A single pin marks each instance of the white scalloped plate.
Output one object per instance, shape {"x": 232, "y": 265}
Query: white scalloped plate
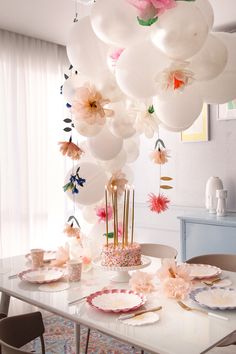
{"x": 215, "y": 298}
{"x": 116, "y": 300}
{"x": 203, "y": 271}
{"x": 144, "y": 319}
{"x": 42, "y": 275}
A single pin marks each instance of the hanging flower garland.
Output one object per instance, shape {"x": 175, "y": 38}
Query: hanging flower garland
{"x": 119, "y": 180}
{"x": 160, "y": 203}
{"x": 70, "y": 230}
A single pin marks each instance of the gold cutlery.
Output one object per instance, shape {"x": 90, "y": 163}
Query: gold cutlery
{"x": 212, "y": 282}
{"x": 131, "y": 315}
{"x": 205, "y": 312}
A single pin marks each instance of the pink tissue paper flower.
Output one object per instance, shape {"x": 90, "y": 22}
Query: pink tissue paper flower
{"x": 158, "y": 203}
{"x": 142, "y": 282}
{"x": 101, "y": 213}
{"x": 152, "y": 8}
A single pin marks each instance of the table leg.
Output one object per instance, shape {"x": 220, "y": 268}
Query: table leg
{"x": 77, "y": 338}
{"x": 5, "y": 302}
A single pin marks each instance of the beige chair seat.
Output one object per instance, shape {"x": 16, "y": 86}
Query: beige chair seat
{"x": 158, "y": 250}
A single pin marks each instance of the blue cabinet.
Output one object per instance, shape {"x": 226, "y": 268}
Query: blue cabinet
{"x": 204, "y": 233}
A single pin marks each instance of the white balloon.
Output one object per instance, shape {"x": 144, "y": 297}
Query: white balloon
{"x": 93, "y": 189}
{"x": 115, "y": 164}
{"x": 89, "y": 214}
{"x": 115, "y": 22}
{"x": 210, "y": 61}
{"x": 132, "y": 150}
{"x": 105, "y": 146}
{"x": 220, "y": 90}
{"x": 181, "y": 31}
{"x": 229, "y": 40}
{"x": 108, "y": 87}
{"x": 121, "y": 123}
{"x": 129, "y": 174}
{"x": 85, "y": 129}
{"x": 85, "y": 51}
{"x": 181, "y": 110}
{"x": 207, "y": 11}
{"x": 137, "y": 68}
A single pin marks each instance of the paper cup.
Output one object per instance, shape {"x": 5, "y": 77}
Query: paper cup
{"x": 74, "y": 269}
{"x": 37, "y": 257}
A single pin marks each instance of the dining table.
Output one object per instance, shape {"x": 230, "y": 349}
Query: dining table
{"x": 176, "y": 332}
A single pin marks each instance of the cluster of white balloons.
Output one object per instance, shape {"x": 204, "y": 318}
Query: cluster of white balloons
{"x": 181, "y": 36}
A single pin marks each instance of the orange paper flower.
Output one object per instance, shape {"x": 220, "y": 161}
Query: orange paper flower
{"x": 70, "y": 149}
{"x": 175, "y": 77}
{"x": 89, "y": 105}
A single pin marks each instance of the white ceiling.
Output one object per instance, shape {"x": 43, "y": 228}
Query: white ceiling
{"x": 51, "y": 19}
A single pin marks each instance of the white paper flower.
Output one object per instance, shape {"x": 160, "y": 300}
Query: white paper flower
{"x": 146, "y": 120}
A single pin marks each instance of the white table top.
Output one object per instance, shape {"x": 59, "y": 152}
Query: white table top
{"x": 177, "y": 332}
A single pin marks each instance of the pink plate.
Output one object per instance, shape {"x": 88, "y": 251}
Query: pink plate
{"x": 42, "y": 275}
{"x": 116, "y": 300}
{"x": 203, "y": 271}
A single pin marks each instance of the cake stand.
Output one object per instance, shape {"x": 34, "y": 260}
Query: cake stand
{"x": 122, "y": 273}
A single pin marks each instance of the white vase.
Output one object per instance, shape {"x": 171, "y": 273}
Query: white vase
{"x": 221, "y": 195}
{"x": 213, "y": 184}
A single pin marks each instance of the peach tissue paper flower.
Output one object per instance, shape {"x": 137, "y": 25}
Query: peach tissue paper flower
{"x": 159, "y": 156}
{"x": 119, "y": 180}
{"x": 141, "y": 282}
{"x": 70, "y": 149}
{"x": 158, "y": 203}
{"x": 101, "y": 213}
{"x": 71, "y": 231}
{"x": 175, "y": 280}
{"x": 89, "y": 105}
{"x": 62, "y": 256}
{"x": 176, "y": 288}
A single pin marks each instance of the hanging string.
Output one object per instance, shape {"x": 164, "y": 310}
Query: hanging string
{"x": 76, "y": 11}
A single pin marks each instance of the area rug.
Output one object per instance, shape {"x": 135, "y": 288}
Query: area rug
{"x": 59, "y": 339}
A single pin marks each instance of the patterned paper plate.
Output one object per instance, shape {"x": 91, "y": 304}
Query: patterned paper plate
{"x": 42, "y": 275}
{"x": 203, "y": 271}
{"x": 116, "y": 300}
{"x": 215, "y": 298}
{"x": 47, "y": 257}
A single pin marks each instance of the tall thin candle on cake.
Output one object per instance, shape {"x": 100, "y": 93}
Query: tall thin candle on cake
{"x": 132, "y": 222}
{"x": 127, "y": 217}
{"x": 123, "y": 231}
{"x": 116, "y": 215}
{"x": 106, "y": 214}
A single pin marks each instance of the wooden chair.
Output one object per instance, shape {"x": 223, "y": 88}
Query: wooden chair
{"x": 158, "y": 250}
{"x": 16, "y": 331}
{"x": 225, "y": 262}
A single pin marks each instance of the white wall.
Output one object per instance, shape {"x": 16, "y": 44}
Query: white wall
{"x": 191, "y": 164}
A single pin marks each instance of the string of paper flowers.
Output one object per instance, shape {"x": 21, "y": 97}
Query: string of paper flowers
{"x": 159, "y": 203}
{"x": 137, "y": 65}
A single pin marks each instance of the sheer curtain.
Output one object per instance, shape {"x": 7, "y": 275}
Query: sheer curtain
{"x": 31, "y": 169}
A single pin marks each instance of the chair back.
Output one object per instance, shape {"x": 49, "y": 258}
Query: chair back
{"x": 158, "y": 250}
{"x": 223, "y": 261}
{"x": 16, "y": 331}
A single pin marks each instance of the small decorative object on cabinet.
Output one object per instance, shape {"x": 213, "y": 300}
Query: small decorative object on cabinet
{"x": 212, "y": 185}
{"x": 221, "y": 195}
{"x": 204, "y": 233}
